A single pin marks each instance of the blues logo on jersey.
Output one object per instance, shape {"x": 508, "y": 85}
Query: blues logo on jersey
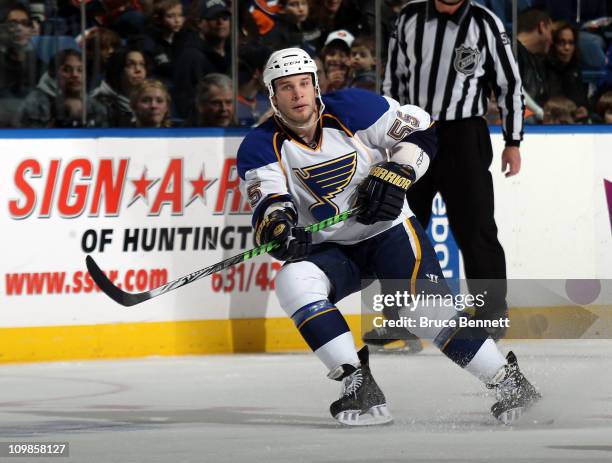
{"x": 326, "y": 180}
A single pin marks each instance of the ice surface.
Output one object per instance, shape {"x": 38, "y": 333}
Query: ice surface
{"x": 274, "y": 408}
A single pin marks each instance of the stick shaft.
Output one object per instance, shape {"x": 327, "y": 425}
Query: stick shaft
{"x": 129, "y": 299}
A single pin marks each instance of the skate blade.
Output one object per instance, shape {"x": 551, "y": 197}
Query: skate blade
{"x": 511, "y": 416}
{"x": 376, "y": 415}
{"x": 526, "y": 416}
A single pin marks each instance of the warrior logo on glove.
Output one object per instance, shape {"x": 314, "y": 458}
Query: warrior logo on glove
{"x": 381, "y": 195}
{"x": 391, "y": 177}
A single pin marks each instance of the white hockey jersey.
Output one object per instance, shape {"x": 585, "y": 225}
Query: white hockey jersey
{"x": 356, "y": 130}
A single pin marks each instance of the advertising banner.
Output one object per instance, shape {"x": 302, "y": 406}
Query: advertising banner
{"x": 148, "y": 209}
{"x": 154, "y": 208}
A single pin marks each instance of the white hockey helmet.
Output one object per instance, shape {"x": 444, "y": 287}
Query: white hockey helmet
{"x": 289, "y": 62}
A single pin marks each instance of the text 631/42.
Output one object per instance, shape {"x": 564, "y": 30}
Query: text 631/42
{"x": 246, "y": 276}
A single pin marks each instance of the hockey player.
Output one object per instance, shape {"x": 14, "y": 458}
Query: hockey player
{"x": 318, "y": 156}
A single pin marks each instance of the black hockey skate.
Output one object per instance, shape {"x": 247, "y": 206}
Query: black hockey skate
{"x": 393, "y": 340}
{"x": 361, "y": 402}
{"x": 514, "y": 393}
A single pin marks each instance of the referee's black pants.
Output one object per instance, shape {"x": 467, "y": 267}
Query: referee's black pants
{"x": 460, "y": 172}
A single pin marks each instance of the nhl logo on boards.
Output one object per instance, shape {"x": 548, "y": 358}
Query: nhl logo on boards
{"x": 466, "y": 60}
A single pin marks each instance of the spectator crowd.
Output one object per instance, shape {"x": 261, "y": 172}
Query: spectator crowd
{"x": 163, "y": 63}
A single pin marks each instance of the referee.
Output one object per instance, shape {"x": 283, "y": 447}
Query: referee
{"x": 447, "y": 56}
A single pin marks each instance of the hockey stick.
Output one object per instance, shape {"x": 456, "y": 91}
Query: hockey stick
{"x": 129, "y": 299}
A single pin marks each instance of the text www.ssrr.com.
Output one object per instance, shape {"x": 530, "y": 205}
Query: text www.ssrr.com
{"x": 19, "y": 284}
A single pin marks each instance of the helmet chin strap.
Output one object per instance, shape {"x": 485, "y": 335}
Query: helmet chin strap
{"x": 307, "y": 125}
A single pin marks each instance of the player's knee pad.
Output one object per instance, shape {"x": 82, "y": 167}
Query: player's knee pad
{"x": 299, "y": 284}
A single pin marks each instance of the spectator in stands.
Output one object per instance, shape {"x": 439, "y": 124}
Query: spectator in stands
{"x": 563, "y": 69}
{"x": 604, "y": 108}
{"x": 363, "y": 63}
{"x": 214, "y": 103}
{"x": 167, "y": 20}
{"x": 333, "y": 15}
{"x": 205, "y": 51}
{"x": 336, "y": 57}
{"x": 20, "y": 67}
{"x": 534, "y": 42}
{"x": 127, "y": 68}
{"x": 151, "y": 102}
{"x": 576, "y": 13}
{"x": 293, "y": 28}
{"x": 559, "y": 110}
{"x": 101, "y": 43}
{"x": 252, "y": 102}
{"x": 57, "y": 100}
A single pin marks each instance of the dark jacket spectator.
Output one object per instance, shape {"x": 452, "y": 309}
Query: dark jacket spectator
{"x": 205, "y": 50}
{"x": 563, "y": 70}
{"x": 332, "y": 15}
{"x": 534, "y": 42}
{"x": 126, "y": 70}
{"x": 293, "y": 28}
{"x": 56, "y": 101}
{"x": 20, "y": 67}
{"x": 167, "y": 20}
{"x": 533, "y": 77}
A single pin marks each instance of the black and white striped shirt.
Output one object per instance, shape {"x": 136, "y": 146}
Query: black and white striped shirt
{"x": 448, "y": 65}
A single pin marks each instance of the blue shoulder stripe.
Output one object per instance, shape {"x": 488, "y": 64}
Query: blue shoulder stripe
{"x": 356, "y": 109}
{"x": 257, "y": 149}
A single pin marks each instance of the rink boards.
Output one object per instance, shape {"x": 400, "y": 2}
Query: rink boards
{"x": 152, "y": 208}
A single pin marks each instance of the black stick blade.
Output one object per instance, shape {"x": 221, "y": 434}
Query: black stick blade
{"x": 108, "y": 288}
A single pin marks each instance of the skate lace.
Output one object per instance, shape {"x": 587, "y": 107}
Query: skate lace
{"x": 352, "y": 383}
{"x": 508, "y": 387}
